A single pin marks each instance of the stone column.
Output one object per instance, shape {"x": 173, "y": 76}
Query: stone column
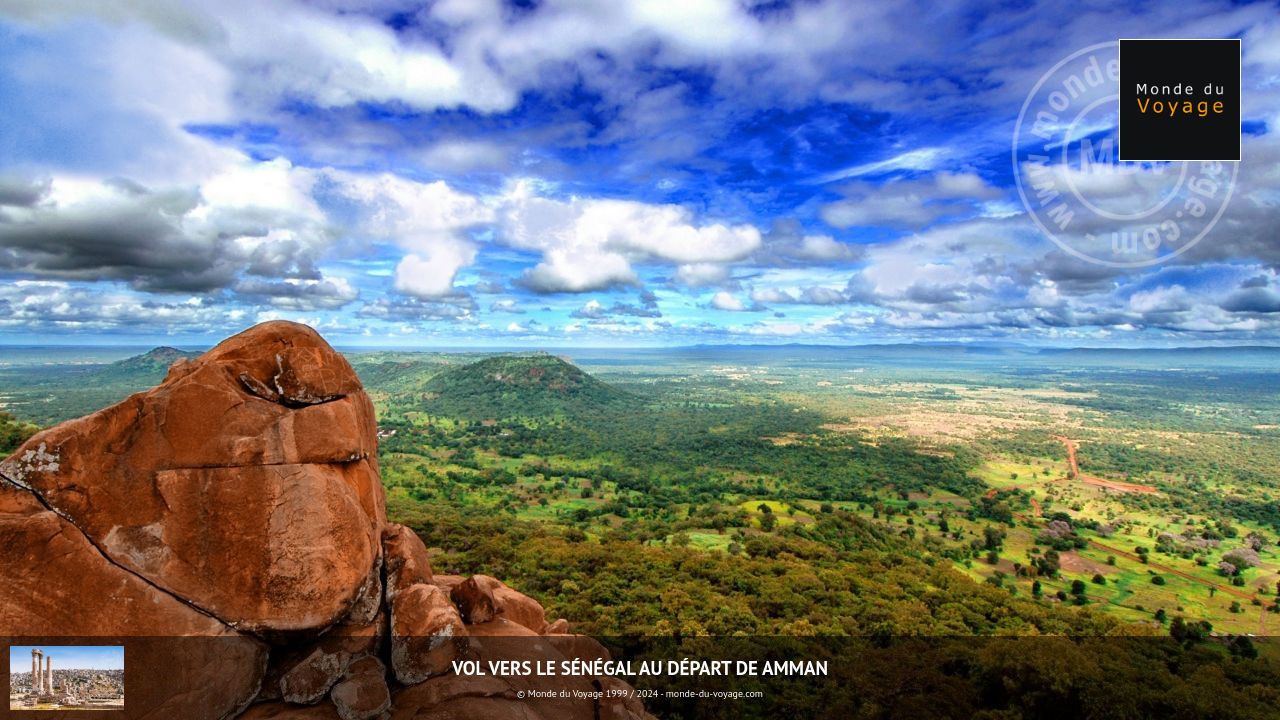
{"x": 35, "y": 669}
{"x": 48, "y": 666}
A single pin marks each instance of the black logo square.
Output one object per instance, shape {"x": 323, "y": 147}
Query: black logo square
{"x": 1179, "y": 100}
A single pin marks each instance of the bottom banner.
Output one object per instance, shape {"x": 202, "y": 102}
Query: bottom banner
{"x": 1195, "y": 674}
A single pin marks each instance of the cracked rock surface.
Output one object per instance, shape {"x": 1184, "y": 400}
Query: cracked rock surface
{"x": 229, "y": 527}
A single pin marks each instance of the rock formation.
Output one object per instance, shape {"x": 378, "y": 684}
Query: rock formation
{"x": 230, "y": 525}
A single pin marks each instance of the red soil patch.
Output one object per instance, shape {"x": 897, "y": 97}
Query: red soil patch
{"x": 1073, "y": 563}
{"x": 1096, "y": 481}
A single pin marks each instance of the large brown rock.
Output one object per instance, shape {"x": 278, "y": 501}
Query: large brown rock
{"x": 427, "y": 633}
{"x": 363, "y": 692}
{"x": 245, "y": 484}
{"x": 55, "y": 583}
{"x": 309, "y": 680}
{"x": 407, "y": 560}
{"x": 481, "y": 598}
{"x": 284, "y": 711}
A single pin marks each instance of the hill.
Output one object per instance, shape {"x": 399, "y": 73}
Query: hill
{"x": 519, "y": 385}
{"x": 143, "y": 370}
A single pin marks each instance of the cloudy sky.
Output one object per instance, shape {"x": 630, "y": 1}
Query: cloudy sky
{"x": 590, "y": 172}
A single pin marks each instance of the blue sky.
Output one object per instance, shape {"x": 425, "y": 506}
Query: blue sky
{"x": 593, "y": 173}
{"x": 69, "y": 657}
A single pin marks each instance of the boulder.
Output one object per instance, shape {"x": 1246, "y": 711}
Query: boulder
{"x": 283, "y": 711}
{"x": 447, "y": 582}
{"x": 481, "y": 598}
{"x": 245, "y": 484}
{"x": 363, "y": 692}
{"x": 54, "y": 582}
{"x": 407, "y": 560}
{"x": 580, "y": 647}
{"x": 427, "y": 633}
{"x": 309, "y": 680}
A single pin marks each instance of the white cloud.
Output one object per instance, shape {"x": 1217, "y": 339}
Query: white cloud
{"x": 37, "y": 305}
{"x": 591, "y": 309}
{"x": 431, "y": 274}
{"x": 505, "y": 305}
{"x": 771, "y": 296}
{"x": 696, "y": 275}
{"x": 589, "y": 244}
{"x": 909, "y": 203}
{"x": 427, "y": 219}
{"x": 727, "y": 301}
{"x": 464, "y": 156}
{"x": 250, "y": 217}
{"x": 919, "y": 159}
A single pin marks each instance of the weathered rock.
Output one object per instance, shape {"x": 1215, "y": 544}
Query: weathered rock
{"x": 54, "y": 582}
{"x": 265, "y": 512}
{"x": 427, "y": 633}
{"x": 500, "y": 627}
{"x": 447, "y": 582}
{"x": 368, "y": 600}
{"x": 345, "y": 639}
{"x": 310, "y": 679}
{"x": 559, "y": 627}
{"x": 406, "y": 558}
{"x": 621, "y": 703}
{"x": 581, "y": 647}
{"x": 481, "y": 598}
{"x": 282, "y": 711}
{"x": 363, "y": 692}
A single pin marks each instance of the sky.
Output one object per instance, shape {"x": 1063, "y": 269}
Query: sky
{"x": 589, "y": 173}
{"x": 69, "y": 657}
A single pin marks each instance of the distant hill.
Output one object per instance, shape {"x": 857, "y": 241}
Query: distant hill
{"x": 143, "y": 370}
{"x": 511, "y": 385}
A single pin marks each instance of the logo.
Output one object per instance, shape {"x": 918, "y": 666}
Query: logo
{"x": 1082, "y": 196}
{"x": 1180, "y": 100}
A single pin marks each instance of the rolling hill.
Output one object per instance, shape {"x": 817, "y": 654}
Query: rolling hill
{"x": 142, "y": 371}
{"x": 520, "y": 385}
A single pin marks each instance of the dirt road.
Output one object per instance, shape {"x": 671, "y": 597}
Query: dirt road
{"x": 1172, "y": 571}
{"x": 1097, "y": 481}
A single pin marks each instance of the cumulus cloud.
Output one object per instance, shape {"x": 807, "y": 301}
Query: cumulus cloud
{"x": 412, "y": 309}
{"x": 299, "y": 294}
{"x": 812, "y": 295}
{"x": 724, "y": 300}
{"x": 430, "y": 220}
{"x": 506, "y": 305}
{"x": 54, "y": 306}
{"x": 909, "y": 203}
{"x": 595, "y": 310}
{"x": 254, "y": 218}
{"x": 589, "y": 244}
{"x": 697, "y": 275}
{"x": 772, "y": 296}
{"x": 463, "y": 156}
{"x": 787, "y": 245}
{"x": 156, "y": 96}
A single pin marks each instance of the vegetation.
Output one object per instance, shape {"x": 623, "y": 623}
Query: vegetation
{"x": 13, "y": 432}
{"x": 518, "y": 386}
{"x": 869, "y": 499}
{"x": 772, "y": 492}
